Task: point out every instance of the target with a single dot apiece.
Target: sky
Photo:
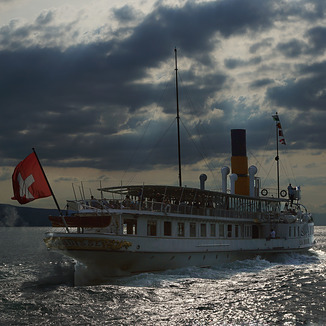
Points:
(91, 86)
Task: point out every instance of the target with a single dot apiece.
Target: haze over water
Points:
(37, 289)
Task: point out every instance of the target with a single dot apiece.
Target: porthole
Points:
(283, 193)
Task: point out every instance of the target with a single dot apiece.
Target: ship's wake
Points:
(85, 276)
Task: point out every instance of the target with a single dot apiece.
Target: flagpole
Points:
(277, 158)
(47, 181)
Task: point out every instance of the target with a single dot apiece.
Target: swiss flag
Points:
(28, 181)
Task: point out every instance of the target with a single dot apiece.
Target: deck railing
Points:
(99, 207)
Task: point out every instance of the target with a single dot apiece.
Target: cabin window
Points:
(203, 230)
(181, 229)
(255, 232)
(130, 226)
(167, 228)
(151, 228)
(193, 229)
(221, 230)
(290, 233)
(213, 230)
(247, 231)
(236, 231)
(298, 231)
(229, 230)
(295, 231)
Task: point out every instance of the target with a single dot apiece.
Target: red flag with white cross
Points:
(28, 181)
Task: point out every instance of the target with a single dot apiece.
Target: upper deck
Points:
(171, 200)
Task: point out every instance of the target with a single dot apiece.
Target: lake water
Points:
(37, 289)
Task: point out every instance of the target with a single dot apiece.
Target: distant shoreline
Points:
(15, 216)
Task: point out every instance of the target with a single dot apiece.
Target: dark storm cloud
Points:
(307, 96)
(83, 103)
(15, 36)
(305, 93)
(317, 40)
(125, 14)
(236, 63)
(261, 83)
(292, 49)
(309, 130)
(315, 44)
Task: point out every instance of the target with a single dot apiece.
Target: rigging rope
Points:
(131, 158)
(200, 152)
(209, 164)
(201, 144)
(146, 159)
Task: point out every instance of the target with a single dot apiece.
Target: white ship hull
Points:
(105, 255)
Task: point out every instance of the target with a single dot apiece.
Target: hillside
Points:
(24, 216)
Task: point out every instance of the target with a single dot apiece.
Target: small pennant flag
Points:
(281, 138)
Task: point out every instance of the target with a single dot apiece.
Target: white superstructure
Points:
(162, 227)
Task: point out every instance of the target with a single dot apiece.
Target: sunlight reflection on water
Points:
(37, 288)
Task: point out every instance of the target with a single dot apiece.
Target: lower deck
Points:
(181, 227)
(109, 242)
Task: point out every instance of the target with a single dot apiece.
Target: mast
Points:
(178, 117)
(277, 159)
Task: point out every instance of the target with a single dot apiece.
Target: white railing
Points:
(101, 206)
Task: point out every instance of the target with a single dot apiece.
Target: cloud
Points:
(5, 174)
(261, 83)
(292, 49)
(304, 94)
(265, 43)
(82, 100)
(45, 18)
(125, 14)
(236, 63)
(317, 38)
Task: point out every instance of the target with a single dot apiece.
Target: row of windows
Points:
(213, 229)
(193, 229)
(201, 230)
(294, 231)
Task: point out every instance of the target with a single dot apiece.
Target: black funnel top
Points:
(238, 142)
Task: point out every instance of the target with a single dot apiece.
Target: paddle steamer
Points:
(152, 227)
(146, 228)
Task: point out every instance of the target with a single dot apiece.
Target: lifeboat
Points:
(82, 220)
